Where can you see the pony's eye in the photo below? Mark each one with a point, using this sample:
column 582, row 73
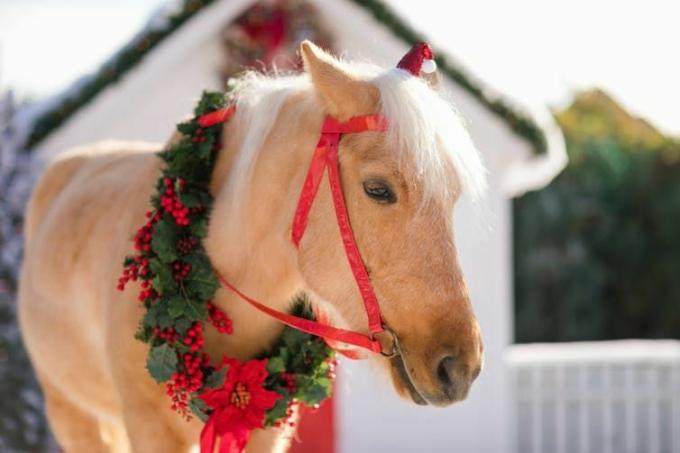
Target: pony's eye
column 380, row 191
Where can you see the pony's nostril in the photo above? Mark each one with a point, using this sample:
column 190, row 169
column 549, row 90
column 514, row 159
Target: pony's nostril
column 445, row 372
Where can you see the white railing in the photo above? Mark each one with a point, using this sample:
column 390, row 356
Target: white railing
column 597, row 397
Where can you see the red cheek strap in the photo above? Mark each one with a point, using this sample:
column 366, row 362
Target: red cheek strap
column 326, row 157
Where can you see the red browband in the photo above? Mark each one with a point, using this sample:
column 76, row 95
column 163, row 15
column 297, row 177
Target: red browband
column 326, row 156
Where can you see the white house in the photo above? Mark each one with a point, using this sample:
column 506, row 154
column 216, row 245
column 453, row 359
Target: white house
column 523, row 151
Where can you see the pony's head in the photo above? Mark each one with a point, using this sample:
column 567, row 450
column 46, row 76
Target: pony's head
column 400, row 188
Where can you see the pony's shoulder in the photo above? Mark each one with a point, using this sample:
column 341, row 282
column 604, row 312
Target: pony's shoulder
column 83, row 165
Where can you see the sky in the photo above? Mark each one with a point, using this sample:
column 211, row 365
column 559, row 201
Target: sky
column 537, row 51
column 46, row 44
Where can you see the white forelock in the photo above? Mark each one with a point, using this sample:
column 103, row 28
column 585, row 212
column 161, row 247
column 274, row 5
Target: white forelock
column 425, row 127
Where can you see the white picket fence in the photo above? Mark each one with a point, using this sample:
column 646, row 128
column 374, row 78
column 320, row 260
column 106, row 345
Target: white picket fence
column 597, row 397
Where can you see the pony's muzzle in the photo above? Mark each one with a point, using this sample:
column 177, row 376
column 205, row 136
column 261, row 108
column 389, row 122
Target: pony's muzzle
column 454, row 377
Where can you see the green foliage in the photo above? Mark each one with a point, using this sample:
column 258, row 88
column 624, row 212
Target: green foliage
column 201, row 283
column 299, row 366
column 180, row 302
column 306, row 359
column 596, row 252
column 137, row 50
column 199, row 408
column 22, row 421
column 216, row 378
column 161, row 362
column 163, row 241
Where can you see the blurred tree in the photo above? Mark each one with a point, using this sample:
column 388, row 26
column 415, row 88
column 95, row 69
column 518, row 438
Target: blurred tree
column 22, row 423
column 597, row 253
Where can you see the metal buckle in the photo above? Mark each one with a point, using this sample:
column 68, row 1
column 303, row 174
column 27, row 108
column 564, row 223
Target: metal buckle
column 394, row 350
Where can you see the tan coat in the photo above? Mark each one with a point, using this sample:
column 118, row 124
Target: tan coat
column 79, row 331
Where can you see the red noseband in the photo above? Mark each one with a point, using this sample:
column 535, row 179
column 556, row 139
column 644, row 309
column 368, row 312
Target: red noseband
column 326, row 157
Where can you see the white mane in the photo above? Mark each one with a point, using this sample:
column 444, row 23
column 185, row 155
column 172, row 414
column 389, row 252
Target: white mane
column 423, row 125
column 426, row 128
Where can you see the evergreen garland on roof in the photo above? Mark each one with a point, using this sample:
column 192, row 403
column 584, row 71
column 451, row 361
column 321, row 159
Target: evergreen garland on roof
column 134, row 52
column 113, row 70
column 520, row 123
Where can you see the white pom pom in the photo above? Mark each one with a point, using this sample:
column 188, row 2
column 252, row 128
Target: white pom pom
column 429, row 66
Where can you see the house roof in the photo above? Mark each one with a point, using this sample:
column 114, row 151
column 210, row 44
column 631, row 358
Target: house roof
column 522, row 123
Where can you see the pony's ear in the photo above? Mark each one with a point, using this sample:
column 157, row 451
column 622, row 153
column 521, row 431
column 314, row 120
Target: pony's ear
column 342, row 94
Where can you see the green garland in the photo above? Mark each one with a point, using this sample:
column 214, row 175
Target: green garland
column 523, row 125
column 113, row 70
column 178, row 284
column 132, row 54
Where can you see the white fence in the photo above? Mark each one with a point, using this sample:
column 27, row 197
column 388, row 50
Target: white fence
column 597, row 397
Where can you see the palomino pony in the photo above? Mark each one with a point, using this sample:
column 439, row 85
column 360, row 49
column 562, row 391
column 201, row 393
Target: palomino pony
column 400, row 187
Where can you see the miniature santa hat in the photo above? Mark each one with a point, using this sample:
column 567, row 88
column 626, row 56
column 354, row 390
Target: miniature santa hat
column 419, row 58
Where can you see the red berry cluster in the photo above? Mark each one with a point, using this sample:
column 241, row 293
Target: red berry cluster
column 147, row 292
column 183, row 384
column 185, row 245
column 129, row 273
column 194, row 337
column 143, row 236
column 168, row 334
column 139, row 267
column 199, row 136
column 219, row 319
column 180, row 270
column 171, row 203
column 290, row 382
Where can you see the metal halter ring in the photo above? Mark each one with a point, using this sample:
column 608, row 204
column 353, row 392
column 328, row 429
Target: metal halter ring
column 394, row 350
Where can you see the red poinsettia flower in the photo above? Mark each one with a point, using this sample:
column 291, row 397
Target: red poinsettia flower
column 239, row 406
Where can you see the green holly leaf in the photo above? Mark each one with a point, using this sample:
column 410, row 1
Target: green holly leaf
column 314, row 391
column 199, row 408
column 161, row 362
column 205, row 198
column 143, row 333
column 216, row 378
column 284, row 354
column 179, row 307
column 151, row 316
column 275, row 365
column 182, row 325
column 204, row 149
column 164, row 241
column 190, row 200
column 163, row 282
column 187, row 128
column 210, row 101
column 294, row 339
column 277, row 412
column 176, row 306
column 196, row 311
column 164, row 320
column 201, row 282
column 199, row 227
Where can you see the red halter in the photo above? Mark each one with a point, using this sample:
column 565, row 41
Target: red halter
column 326, row 156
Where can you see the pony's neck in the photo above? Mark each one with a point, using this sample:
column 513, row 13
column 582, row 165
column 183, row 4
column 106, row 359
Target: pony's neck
column 248, row 238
